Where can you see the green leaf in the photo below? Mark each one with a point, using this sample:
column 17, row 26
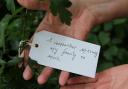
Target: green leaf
column 111, row 53
column 104, row 65
column 108, row 26
column 104, row 38
column 2, row 66
column 65, row 16
column 14, row 33
column 3, row 25
column 97, row 29
column 119, row 33
column 122, row 54
column 116, row 41
column 59, row 8
column 14, row 61
column 54, row 7
column 2, row 62
column 10, row 4
column 119, row 21
column 93, row 38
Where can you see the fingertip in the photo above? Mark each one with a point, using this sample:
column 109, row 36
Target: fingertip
column 61, row 83
column 43, row 77
column 29, row 4
column 41, row 80
column 27, row 74
column 34, row 4
column 63, row 78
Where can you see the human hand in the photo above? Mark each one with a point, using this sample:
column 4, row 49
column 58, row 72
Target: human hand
column 86, row 14
column 114, row 78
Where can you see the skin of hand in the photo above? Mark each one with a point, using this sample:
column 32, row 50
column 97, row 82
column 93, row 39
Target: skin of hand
column 113, row 78
column 86, row 14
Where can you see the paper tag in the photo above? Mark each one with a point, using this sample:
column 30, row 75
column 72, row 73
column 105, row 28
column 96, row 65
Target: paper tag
column 65, row 53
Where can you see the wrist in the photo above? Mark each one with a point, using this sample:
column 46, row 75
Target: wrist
column 109, row 11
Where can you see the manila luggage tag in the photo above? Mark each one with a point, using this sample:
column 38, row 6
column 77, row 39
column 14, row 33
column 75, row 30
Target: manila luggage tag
column 65, row 53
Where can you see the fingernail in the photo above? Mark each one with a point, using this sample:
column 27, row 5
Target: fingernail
column 27, row 74
column 41, row 80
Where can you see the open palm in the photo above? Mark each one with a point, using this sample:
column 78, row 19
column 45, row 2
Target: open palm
column 86, row 14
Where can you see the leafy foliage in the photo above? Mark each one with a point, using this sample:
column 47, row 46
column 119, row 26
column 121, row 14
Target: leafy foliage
column 3, row 24
column 112, row 37
column 15, row 21
column 59, row 7
column 104, row 38
column 10, row 5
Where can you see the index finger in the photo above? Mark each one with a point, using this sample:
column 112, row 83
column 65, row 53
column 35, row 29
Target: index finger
column 34, row 4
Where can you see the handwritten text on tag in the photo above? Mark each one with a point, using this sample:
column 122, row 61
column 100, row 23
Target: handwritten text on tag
column 65, row 53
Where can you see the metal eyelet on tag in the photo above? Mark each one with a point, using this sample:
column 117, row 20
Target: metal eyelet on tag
column 36, row 45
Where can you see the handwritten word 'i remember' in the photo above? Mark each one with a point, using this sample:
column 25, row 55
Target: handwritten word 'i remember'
column 61, row 44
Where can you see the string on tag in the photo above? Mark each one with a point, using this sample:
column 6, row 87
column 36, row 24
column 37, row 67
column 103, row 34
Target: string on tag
column 23, row 51
column 24, row 47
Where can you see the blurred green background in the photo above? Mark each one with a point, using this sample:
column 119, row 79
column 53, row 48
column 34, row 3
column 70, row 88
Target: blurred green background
column 17, row 23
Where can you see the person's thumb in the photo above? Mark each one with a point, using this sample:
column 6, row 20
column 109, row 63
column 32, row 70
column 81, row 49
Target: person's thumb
column 34, row 4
